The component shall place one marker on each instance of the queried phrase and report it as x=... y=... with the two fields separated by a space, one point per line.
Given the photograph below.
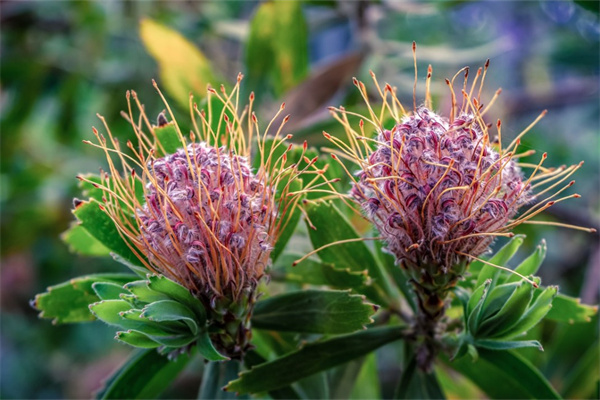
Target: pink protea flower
x=202 y=216
x=439 y=189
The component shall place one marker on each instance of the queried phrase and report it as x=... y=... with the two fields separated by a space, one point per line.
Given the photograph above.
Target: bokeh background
x=64 y=61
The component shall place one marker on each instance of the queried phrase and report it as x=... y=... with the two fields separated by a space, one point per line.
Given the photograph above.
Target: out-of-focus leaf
x=312 y=272
x=313 y=311
x=315 y=92
x=570 y=310
x=102 y=228
x=215 y=376
x=582 y=381
x=505 y=375
x=343 y=378
x=367 y=382
x=313 y=358
x=80 y=241
x=144 y=376
x=277 y=45
x=590 y=5
x=416 y=384
x=69 y=301
x=183 y=67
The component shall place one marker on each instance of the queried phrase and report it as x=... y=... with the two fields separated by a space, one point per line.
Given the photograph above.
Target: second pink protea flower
x=439 y=189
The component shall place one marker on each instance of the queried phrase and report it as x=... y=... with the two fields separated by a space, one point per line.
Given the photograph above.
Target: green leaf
x=174 y=290
x=511 y=312
x=313 y=311
x=416 y=384
x=143 y=293
x=69 y=301
x=215 y=376
x=183 y=67
x=475 y=316
x=207 y=350
x=313 y=272
x=169 y=139
x=313 y=358
x=355 y=256
x=144 y=376
x=582 y=380
x=367 y=384
x=136 y=339
x=169 y=310
x=80 y=241
x=531 y=264
x=500 y=258
x=289 y=225
x=570 y=310
x=102 y=228
x=505 y=375
x=108 y=290
x=277 y=46
x=538 y=310
x=507 y=345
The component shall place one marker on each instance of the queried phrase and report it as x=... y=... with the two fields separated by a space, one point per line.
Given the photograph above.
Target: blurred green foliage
x=64 y=61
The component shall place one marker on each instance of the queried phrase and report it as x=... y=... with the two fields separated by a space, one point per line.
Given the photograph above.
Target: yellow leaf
x=183 y=67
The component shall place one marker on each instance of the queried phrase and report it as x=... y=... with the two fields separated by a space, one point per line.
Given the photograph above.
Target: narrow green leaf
x=288 y=225
x=169 y=310
x=313 y=358
x=570 y=310
x=108 y=290
x=505 y=375
x=143 y=293
x=355 y=256
x=136 y=339
x=174 y=290
x=538 y=310
x=476 y=297
x=69 y=301
x=207 y=350
x=416 y=384
x=102 y=228
x=313 y=272
x=313 y=311
x=582 y=380
x=80 y=241
x=500 y=258
x=367 y=384
x=511 y=312
x=144 y=376
x=113 y=313
x=531 y=264
x=498 y=296
x=507 y=345
x=474 y=317
x=183 y=67
x=215 y=376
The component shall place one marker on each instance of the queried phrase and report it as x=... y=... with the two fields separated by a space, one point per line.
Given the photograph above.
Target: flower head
x=197 y=211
